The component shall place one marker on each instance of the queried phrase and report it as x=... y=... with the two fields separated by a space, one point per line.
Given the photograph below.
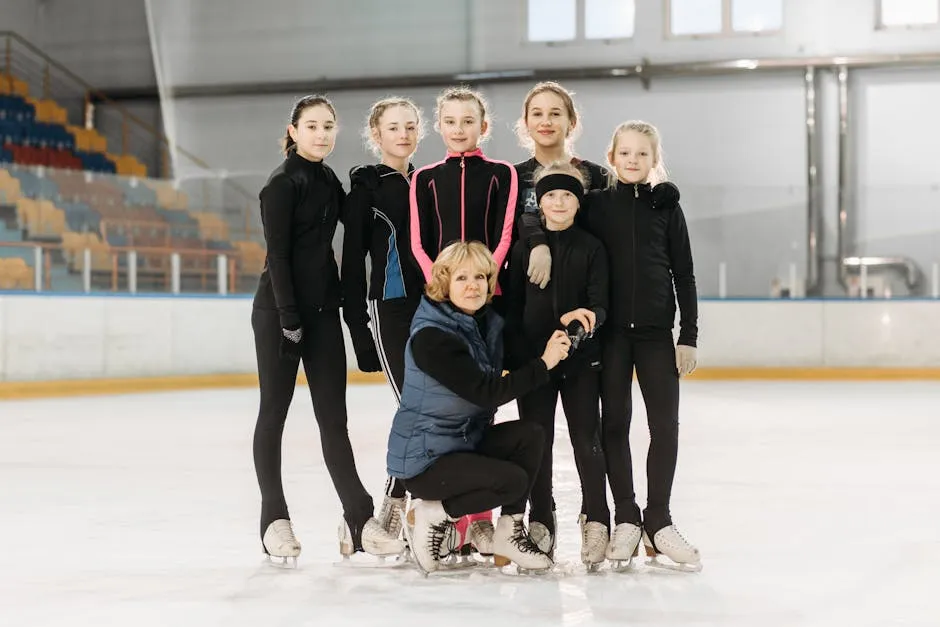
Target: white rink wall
x=50 y=337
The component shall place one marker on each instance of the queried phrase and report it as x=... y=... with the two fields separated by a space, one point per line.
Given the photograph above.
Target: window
x=609 y=19
x=689 y=18
x=578 y=20
x=552 y=20
x=894 y=13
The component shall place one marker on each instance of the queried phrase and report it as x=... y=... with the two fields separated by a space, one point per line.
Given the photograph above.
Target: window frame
x=580 y=8
x=727 y=27
x=880 y=26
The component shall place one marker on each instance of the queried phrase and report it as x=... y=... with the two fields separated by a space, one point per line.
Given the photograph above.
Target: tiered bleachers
x=37 y=132
x=70 y=211
x=63 y=191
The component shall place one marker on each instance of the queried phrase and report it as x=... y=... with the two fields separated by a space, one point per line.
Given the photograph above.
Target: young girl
x=576 y=299
x=376 y=219
x=295 y=317
x=547 y=129
x=641 y=224
x=465 y=197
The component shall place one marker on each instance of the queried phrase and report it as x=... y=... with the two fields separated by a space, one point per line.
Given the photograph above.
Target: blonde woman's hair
x=463 y=93
x=658 y=174
x=378 y=109
x=452 y=257
x=522 y=129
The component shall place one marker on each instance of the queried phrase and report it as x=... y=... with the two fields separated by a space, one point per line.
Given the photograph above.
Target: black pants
x=579 y=397
x=654 y=357
x=391 y=327
x=499 y=473
x=324 y=359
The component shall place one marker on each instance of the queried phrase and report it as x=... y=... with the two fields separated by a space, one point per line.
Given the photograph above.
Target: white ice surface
x=812 y=503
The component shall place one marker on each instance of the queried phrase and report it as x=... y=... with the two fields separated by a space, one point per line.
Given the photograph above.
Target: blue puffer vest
x=432 y=421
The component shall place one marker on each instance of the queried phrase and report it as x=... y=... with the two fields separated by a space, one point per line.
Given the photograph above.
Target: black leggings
x=391 y=327
x=324 y=359
x=499 y=473
x=654 y=357
x=580 y=395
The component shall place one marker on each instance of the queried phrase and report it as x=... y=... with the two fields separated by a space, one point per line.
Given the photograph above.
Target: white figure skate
x=281 y=547
x=543 y=538
x=668 y=542
x=383 y=549
x=430 y=535
x=390 y=515
x=624 y=546
x=512 y=544
x=594 y=542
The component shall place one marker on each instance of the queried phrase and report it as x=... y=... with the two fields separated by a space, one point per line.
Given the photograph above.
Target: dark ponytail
x=315 y=100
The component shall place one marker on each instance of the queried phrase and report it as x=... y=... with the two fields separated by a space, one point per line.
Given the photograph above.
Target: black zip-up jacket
x=579 y=279
x=465 y=197
x=376 y=222
x=650 y=257
x=300 y=206
x=595 y=177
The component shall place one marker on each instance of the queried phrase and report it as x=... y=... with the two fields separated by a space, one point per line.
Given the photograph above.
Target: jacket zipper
x=636 y=194
x=463 y=215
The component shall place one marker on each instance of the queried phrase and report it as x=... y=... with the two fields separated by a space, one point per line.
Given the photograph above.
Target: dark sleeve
x=531 y=230
x=683 y=277
x=447 y=358
x=277 y=209
x=517 y=350
x=505 y=215
x=422 y=224
x=357 y=237
x=598 y=286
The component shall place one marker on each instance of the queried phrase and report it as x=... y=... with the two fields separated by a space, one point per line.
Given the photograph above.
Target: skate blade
x=285 y=563
x=366 y=560
x=663 y=563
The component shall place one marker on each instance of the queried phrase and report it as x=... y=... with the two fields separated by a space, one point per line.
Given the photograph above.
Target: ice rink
x=813 y=504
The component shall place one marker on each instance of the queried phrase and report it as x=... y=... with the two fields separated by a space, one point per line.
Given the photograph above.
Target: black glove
x=291 y=343
x=366 y=176
x=665 y=196
x=364 y=346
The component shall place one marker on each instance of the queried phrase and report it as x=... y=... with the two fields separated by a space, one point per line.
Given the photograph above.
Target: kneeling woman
x=444 y=444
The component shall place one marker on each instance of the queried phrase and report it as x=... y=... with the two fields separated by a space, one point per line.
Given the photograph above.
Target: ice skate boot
x=543 y=538
x=668 y=542
x=594 y=541
x=390 y=515
x=280 y=545
x=512 y=544
x=432 y=535
x=480 y=533
x=624 y=545
x=383 y=549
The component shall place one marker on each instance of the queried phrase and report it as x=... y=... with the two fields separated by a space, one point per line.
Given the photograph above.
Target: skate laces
x=284 y=531
x=482 y=528
x=593 y=533
x=440 y=535
x=390 y=517
x=521 y=539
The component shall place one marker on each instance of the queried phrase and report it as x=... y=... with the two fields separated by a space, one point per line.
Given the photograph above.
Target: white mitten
x=686 y=359
x=540 y=265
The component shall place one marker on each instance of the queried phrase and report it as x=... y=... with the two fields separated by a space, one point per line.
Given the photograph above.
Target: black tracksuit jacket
x=579 y=279
x=300 y=207
x=650 y=258
x=376 y=223
x=465 y=197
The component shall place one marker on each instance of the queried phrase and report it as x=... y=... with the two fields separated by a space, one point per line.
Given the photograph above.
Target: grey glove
x=686 y=359
x=540 y=265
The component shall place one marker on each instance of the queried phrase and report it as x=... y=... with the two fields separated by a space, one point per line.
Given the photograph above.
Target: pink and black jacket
x=465 y=197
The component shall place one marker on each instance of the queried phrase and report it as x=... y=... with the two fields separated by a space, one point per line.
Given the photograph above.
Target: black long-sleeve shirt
x=446 y=358
x=300 y=207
